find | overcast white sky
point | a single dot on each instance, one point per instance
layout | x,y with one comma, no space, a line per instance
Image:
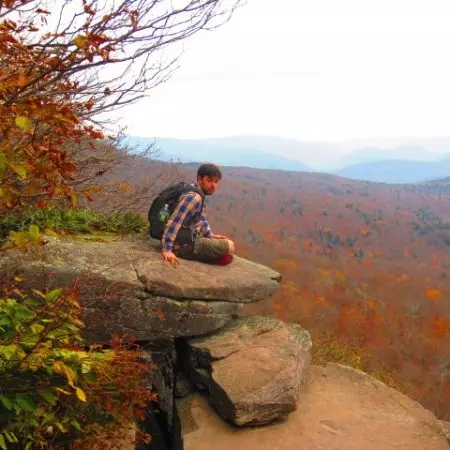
312,70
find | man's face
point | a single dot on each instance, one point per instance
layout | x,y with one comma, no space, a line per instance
208,184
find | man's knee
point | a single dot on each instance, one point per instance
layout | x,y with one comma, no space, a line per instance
231,247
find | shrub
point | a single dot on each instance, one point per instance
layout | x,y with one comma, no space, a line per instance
54,389
70,220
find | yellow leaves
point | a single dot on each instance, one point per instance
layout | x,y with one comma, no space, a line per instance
65,118
323,274
81,41
64,391
80,394
51,232
19,169
62,369
73,200
3,165
22,239
24,123
371,303
285,264
340,278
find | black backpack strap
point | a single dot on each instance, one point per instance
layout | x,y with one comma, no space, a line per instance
169,196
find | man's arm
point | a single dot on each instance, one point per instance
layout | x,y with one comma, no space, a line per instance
189,204
203,229
202,226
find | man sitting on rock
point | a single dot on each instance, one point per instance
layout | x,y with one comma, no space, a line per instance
187,233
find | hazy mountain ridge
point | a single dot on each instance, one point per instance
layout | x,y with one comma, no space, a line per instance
398,171
400,161
185,151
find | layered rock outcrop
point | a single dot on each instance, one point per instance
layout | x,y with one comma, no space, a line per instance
126,289
246,370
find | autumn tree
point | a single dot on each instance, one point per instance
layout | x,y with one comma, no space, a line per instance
65,66
64,69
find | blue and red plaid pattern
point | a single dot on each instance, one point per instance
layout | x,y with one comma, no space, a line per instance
188,206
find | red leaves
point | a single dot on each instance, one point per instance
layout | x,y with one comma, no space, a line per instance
439,328
42,11
89,104
134,16
7,37
53,62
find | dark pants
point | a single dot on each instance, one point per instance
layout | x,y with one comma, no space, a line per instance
204,249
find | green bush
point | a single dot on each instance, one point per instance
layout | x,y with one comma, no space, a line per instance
70,220
54,390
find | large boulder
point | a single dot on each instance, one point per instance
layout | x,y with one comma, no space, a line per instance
252,368
339,408
126,288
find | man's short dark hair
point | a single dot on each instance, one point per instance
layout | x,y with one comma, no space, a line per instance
209,170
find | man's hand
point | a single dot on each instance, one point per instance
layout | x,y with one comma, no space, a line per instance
171,258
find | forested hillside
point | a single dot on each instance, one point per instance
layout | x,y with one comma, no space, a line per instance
365,263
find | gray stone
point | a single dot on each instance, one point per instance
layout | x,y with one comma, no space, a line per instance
252,368
127,260
183,386
105,276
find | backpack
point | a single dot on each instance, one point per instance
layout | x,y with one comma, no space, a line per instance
169,197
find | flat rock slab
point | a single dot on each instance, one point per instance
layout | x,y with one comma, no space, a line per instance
254,368
242,281
107,274
138,261
339,409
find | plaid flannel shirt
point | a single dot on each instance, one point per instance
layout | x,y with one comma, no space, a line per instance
188,206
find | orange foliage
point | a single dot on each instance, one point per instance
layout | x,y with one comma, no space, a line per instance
433,294
403,261
439,328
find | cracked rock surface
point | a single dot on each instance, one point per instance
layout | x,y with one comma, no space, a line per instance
125,288
251,369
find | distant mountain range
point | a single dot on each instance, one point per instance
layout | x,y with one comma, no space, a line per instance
203,150
400,160
397,171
